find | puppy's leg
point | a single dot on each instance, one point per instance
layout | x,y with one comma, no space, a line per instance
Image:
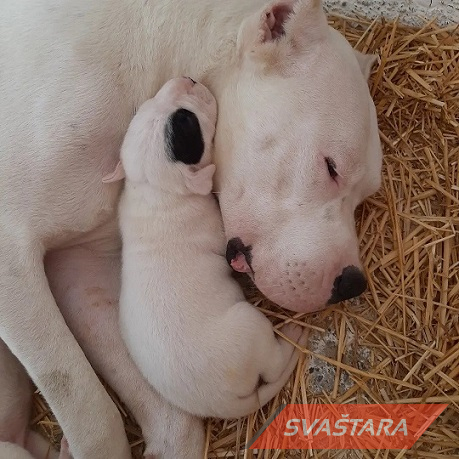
34,329
90,307
270,358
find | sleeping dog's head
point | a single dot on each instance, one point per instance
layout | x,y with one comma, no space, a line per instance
168,142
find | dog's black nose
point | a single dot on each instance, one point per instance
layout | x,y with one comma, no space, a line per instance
349,284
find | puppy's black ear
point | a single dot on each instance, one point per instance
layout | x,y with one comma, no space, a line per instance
183,137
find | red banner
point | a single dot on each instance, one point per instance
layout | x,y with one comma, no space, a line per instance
388,426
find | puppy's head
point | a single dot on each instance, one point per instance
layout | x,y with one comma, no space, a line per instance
168,143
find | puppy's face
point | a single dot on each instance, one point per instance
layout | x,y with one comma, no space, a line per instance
168,143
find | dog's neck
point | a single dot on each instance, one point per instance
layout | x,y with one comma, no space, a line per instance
201,43
207,32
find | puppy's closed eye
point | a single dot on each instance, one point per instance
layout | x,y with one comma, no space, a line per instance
183,137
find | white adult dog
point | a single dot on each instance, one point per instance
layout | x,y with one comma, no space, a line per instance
184,319
296,148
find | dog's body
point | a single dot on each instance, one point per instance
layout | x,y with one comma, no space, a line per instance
211,348
71,75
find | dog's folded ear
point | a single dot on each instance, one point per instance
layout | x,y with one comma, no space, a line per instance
366,62
116,175
273,19
283,28
199,181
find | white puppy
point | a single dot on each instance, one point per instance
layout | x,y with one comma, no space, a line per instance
183,317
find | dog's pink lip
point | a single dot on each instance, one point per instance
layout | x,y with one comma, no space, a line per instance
239,256
239,264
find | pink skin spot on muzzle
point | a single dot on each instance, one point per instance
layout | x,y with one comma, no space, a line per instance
239,256
239,264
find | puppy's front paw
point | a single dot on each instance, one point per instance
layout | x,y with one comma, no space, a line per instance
295,333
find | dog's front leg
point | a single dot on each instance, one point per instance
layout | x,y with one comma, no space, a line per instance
85,281
33,328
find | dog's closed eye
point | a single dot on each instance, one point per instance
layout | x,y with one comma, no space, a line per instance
331,166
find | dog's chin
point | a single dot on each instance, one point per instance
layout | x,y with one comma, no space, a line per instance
298,306
254,292
290,298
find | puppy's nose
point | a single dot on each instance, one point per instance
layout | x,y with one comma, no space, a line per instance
349,284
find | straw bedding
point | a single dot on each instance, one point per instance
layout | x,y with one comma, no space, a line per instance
408,321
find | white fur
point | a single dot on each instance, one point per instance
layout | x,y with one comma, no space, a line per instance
211,348
36,448
72,73
13,451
